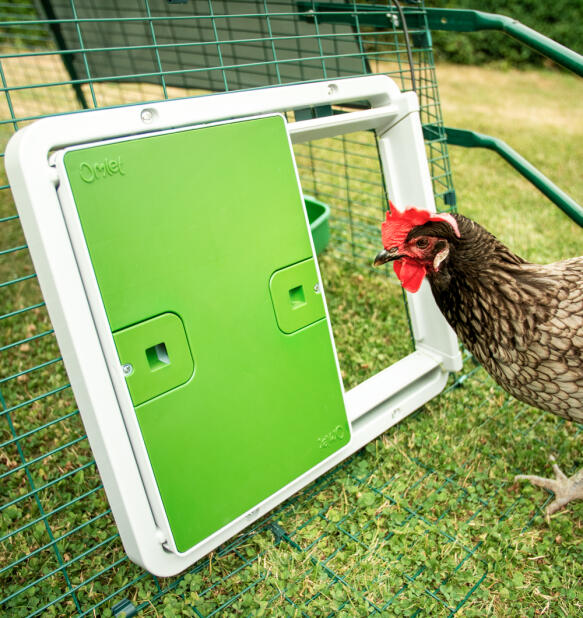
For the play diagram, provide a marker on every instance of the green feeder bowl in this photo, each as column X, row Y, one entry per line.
column 319, row 218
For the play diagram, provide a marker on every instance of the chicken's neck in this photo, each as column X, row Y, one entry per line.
column 489, row 295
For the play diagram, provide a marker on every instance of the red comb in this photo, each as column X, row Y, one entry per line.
column 398, row 224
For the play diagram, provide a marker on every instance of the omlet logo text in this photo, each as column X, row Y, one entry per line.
column 90, row 172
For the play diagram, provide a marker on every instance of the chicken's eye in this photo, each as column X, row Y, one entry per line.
column 422, row 243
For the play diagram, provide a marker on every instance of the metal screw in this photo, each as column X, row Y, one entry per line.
column 147, row 115
column 127, row 369
column 317, row 288
column 394, row 19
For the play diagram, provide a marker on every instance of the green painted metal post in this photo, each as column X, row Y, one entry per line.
column 455, row 20
column 462, row 20
column 471, row 139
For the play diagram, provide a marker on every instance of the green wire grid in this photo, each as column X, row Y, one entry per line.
column 60, row 552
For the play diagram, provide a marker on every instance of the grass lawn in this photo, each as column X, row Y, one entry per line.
column 424, row 520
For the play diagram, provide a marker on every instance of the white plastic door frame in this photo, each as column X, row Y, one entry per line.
column 372, row 407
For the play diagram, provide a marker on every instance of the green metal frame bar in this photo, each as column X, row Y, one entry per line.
column 455, row 20
column 376, row 15
column 471, row 139
column 463, row 20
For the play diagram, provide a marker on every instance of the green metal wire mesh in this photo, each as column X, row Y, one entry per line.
column 60, row 551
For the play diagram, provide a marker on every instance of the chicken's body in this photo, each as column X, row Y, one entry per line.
column 523, row 322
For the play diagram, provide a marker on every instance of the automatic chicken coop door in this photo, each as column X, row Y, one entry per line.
column 174, row 254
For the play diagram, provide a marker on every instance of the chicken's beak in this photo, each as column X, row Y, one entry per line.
column 387, row 255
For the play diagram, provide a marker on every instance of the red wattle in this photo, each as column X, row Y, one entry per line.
column 410, row 274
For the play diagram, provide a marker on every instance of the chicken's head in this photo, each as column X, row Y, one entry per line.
column 417, row 242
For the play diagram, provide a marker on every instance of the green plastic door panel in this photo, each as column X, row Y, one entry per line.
column 197, row 225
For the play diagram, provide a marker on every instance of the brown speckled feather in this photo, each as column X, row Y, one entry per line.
column 523, row 322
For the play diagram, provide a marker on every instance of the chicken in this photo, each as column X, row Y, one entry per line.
column 523, row 322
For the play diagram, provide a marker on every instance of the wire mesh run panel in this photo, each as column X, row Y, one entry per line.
column 185, row 34
column 175, row 258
